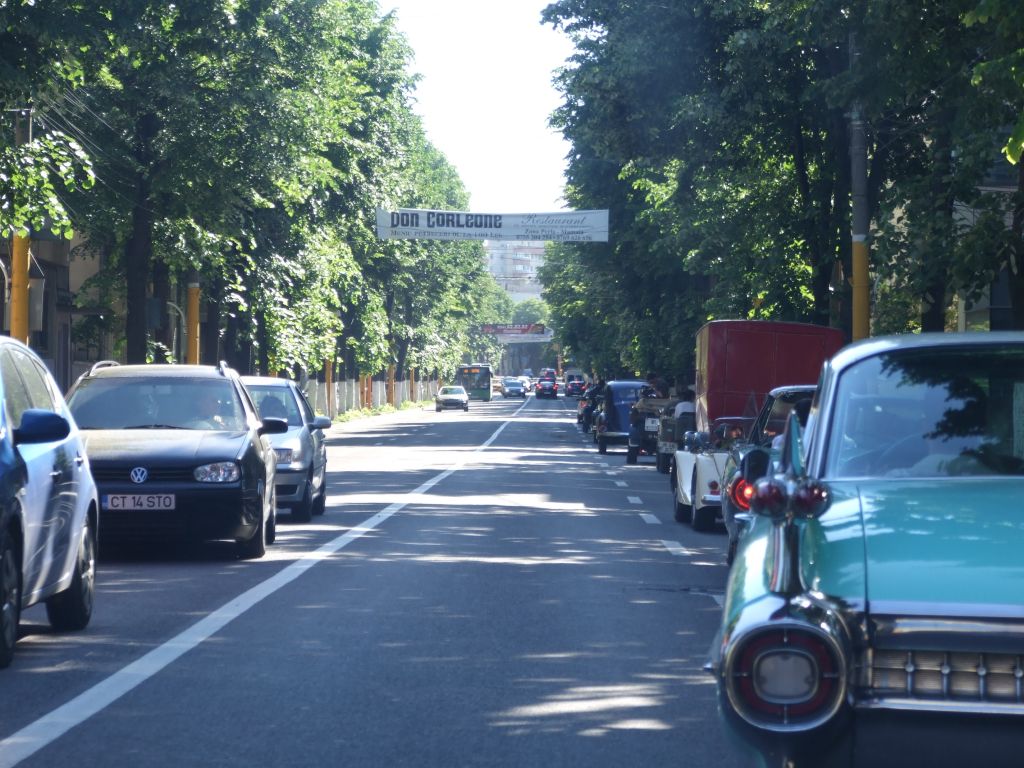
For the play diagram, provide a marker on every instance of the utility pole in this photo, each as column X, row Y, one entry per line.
column 20, row 247
column 192, row 322
column 859, row 193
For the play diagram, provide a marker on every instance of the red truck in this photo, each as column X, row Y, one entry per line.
column 738, row 363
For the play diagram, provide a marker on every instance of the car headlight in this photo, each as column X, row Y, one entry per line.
column 284, row 455
column 218, row 472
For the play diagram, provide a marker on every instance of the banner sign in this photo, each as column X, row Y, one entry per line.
column 520, row 328
column 561, row 226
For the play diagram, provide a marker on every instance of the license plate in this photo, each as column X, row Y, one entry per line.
column 138, row 501
column 651, row 424
column 664, row 447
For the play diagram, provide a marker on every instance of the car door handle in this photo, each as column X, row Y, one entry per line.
column 55, row 474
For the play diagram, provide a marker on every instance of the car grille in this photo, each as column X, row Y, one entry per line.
column 948, row 676
column 103, row 474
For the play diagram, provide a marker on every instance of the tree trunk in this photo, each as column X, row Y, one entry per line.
column 209, row 334
column 138, row 250
column 1017, row 253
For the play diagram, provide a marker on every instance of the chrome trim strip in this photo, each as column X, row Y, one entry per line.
column 942, row 705
column 943, row 611
column 711, row 498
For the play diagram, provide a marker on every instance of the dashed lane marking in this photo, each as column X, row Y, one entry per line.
column 634, row 500
column 650, row 519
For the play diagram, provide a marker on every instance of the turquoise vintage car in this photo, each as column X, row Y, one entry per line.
column 874, row 613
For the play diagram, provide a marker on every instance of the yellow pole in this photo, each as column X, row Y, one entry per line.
column 19, row 289
column 193, row 320
column 19, row 253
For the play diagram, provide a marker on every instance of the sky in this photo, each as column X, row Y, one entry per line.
column 485, row 96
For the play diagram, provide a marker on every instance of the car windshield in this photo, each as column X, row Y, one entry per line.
column 156, row 402
column 512, row 382
column 452, row 391
column 939, row 412
column 276, row 402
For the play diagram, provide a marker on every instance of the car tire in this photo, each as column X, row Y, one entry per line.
column 320, row 505
column 303, row 513
column 438, row 409
column 602, row 445
column 631, row 454
column 703, row 518
column 10, row 598
column 466, row 409
column 683, row 512
column 255, row 546
column 71, row 610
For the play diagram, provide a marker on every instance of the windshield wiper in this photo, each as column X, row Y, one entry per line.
column 154, row 426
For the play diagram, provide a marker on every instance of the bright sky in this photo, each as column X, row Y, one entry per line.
column 486, row 94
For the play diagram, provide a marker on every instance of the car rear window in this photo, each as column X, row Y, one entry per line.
column 276, row 402
column 151, row 402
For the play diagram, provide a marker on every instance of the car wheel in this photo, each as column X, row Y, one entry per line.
column 303, row 513
column 466, row 408
column 438, row 409
column 320, row 505
column 255, row 546
column 683, row 512
column 10, row 599
column 631, row 454
column 703, row 518
column 71, row 609
column 602, row 445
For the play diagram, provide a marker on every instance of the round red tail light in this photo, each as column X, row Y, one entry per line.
column 740, row 493
column 769, row 497
column 788, row 678
column 810, row 499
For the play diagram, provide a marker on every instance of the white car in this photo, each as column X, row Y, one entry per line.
column 697, row 472
column 48, row 502
column 452, row 396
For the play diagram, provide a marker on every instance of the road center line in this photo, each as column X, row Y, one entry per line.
column 675, row 548
column 48, row 728
column 634, row 500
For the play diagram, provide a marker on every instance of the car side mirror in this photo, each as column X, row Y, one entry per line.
column 41, row 426
column 273, row 426
column 321, row 422
column 755, row 465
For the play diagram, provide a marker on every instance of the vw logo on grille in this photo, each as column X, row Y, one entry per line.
column 139, row 474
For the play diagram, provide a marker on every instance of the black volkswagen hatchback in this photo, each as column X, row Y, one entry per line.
column 179, row 453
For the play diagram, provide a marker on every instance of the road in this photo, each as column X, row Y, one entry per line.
column 484, row 589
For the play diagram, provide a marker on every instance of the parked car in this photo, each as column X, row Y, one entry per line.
column 179, row 452
column 697, row 471
column 49, row 522
column 768, row 427
column 612, row 420
column 645, row 421
column 451, row 396
column 547, row 385
column 300, row 484
column 873, row 614
column 512, row 387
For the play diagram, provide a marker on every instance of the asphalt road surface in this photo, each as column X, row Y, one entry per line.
column 483, row 590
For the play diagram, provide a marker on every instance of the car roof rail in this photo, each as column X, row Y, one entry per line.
column 102, row 364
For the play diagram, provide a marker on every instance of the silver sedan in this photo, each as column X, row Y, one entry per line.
column 301, row 453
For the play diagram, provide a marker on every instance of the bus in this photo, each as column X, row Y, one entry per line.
column 476, row 378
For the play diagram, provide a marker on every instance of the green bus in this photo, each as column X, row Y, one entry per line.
column 476, row 378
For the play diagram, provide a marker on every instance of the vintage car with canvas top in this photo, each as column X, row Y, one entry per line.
column 695, row 478
column 874, row 613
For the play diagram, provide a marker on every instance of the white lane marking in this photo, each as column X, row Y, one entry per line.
column 650, row 519
column 50, row 727
column 603, row 464
column 378, row 443
column 634, row 500
column 678, row 549
column 621, row 483
column 720, row 599
column 611, row 472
